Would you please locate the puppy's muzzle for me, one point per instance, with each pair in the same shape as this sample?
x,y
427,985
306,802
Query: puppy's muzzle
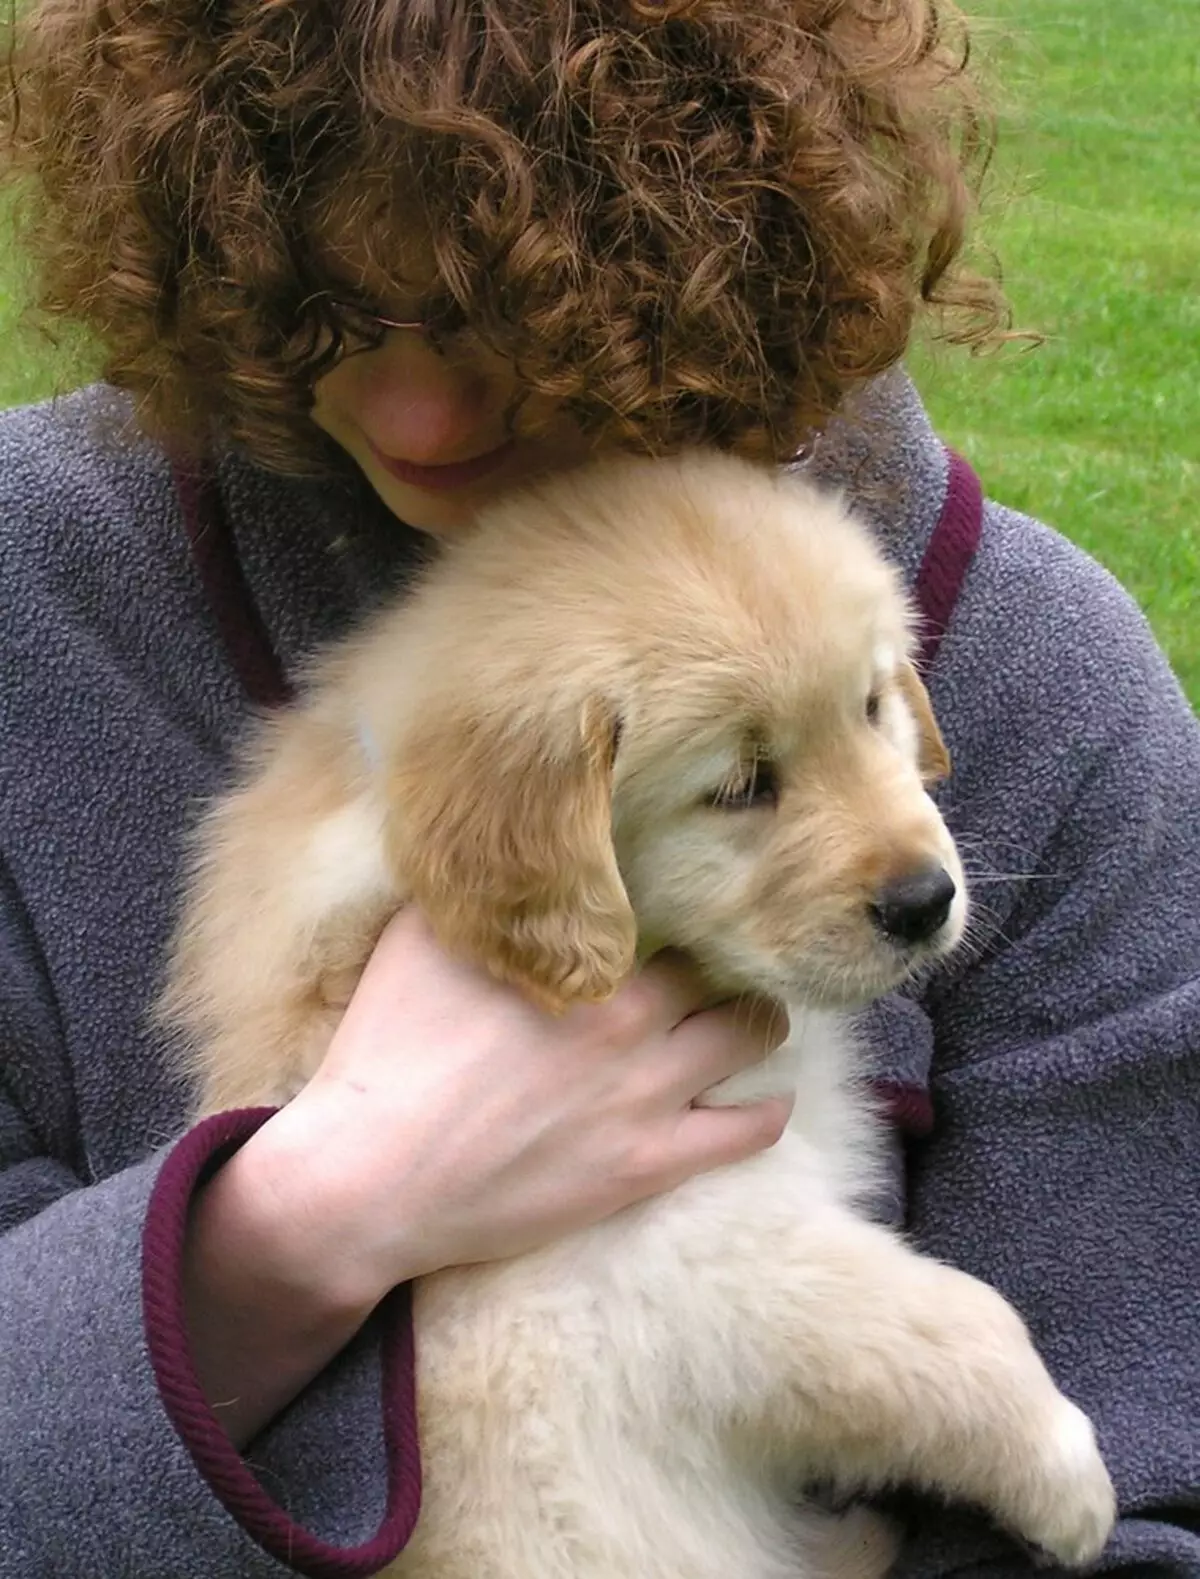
x,y
914,908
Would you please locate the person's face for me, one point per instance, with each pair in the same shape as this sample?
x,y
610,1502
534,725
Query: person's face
x,y
436,430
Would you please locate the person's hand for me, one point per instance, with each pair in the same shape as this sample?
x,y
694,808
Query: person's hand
x,y
453,1122
450,1122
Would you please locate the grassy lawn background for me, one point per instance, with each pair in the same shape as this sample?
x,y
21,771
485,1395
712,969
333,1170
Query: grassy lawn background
x,y
1095,221
1094,216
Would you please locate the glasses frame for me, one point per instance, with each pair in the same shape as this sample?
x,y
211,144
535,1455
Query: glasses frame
x,y
376,324
380,320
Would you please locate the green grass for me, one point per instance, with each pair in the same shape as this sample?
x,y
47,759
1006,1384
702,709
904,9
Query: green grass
x,y
1098,429
1097,181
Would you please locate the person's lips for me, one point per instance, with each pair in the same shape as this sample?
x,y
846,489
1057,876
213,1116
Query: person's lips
x,y
457,474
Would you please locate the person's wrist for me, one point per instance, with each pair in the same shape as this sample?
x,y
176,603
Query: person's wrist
x,y
296,1214
271,1290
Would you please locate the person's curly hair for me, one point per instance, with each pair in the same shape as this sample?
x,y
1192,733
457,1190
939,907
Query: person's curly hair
x,y
690,220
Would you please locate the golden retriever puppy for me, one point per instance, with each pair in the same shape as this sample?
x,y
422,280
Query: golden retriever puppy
x,y
650,703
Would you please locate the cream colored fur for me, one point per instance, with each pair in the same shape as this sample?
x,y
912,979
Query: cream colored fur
x,y
530,747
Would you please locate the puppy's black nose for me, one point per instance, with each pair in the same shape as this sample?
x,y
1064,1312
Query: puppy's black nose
x,y
912,908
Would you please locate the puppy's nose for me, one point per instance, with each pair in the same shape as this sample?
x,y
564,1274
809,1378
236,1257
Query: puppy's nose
x,y
912,908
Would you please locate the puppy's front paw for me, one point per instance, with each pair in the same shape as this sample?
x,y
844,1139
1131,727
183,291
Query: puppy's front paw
x,y
1072,1506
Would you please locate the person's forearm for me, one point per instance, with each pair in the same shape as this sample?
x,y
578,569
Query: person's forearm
x,y
261,1324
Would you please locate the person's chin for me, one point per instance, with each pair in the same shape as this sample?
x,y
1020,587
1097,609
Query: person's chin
x,y
440,514
444,511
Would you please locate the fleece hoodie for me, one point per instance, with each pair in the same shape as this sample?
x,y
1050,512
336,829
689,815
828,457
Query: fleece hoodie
x,y
1056,1065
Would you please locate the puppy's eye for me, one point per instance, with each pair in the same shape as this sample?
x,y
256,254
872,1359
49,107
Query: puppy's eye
x,y
759,787
872,707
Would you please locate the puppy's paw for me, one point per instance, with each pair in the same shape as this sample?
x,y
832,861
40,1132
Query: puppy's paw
x,y
1072,1506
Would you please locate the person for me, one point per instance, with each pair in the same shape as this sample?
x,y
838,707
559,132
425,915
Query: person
x,y
349,271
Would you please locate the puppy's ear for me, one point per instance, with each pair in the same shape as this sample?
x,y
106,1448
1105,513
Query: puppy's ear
x,y
933,759
502,829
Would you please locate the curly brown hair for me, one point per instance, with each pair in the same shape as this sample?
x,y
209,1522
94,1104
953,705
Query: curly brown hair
x,y
690,220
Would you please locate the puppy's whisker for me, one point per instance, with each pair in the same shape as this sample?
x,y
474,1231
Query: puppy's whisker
x,y
958,812
1014,877
968,841
743,1006
984,929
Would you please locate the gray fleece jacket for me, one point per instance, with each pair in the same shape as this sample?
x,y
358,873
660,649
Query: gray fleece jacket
x,y
1062,1054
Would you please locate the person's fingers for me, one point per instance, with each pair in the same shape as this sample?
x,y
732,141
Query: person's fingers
x,y
708,1138
665,991
720,1042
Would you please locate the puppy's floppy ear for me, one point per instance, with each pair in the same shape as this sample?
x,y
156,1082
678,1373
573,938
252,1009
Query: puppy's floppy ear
x,y
933,758
502,829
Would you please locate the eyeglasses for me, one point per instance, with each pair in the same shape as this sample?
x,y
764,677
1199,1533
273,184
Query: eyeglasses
x,y
361,328
379,323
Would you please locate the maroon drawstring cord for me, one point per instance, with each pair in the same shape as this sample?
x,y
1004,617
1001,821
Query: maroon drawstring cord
x,y
214,553
947,558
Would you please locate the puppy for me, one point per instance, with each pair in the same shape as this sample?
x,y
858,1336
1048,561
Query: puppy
x,y
649,703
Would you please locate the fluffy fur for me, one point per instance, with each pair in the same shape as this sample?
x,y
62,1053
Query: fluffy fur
x,y
650,703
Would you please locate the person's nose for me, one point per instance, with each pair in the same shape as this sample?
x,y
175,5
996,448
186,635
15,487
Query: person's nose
x,y
432,409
